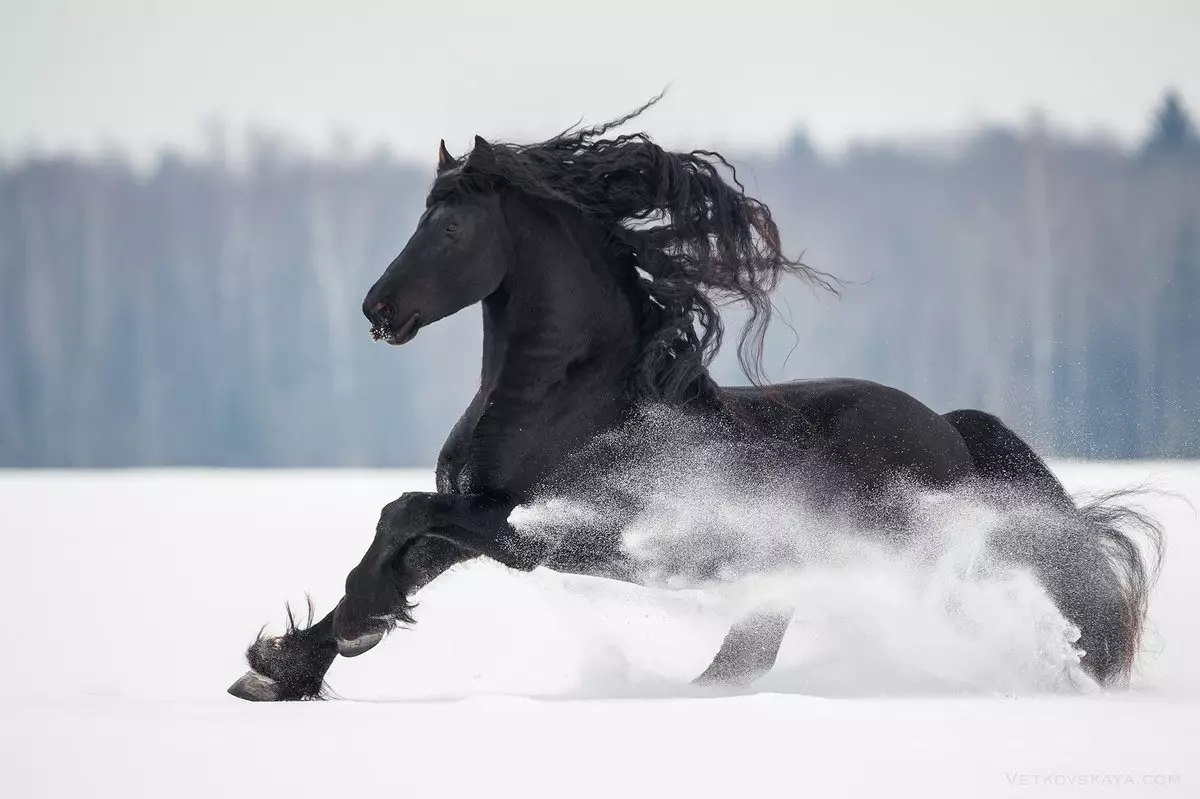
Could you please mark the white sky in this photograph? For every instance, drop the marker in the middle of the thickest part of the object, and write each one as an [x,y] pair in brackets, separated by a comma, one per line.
[141,73]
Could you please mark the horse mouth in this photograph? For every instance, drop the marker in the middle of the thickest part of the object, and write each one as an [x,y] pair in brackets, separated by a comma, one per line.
[397,336]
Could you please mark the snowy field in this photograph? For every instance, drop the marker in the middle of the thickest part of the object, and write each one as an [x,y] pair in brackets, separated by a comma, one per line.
[132,595]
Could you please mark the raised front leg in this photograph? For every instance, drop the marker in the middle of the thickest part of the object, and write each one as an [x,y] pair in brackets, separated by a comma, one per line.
[293,665]
[377,589]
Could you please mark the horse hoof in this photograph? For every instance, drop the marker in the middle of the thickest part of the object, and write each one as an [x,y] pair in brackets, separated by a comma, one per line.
[356,646]
[254,687]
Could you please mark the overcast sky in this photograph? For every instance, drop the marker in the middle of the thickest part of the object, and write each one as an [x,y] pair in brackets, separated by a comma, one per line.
[744,73]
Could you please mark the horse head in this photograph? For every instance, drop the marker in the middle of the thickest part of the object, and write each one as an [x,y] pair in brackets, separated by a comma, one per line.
[457,256]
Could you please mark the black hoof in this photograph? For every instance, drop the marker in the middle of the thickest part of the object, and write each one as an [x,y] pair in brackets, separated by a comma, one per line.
[356,646]
[253,687]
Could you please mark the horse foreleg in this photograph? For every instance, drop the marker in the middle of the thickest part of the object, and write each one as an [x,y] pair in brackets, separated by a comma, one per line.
[378,587]
[292,666]
[749,649]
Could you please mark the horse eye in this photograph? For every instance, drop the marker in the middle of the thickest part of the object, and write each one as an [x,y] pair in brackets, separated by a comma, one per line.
[451,227]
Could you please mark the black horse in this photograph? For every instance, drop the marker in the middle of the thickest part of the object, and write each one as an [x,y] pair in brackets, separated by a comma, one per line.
[599,262]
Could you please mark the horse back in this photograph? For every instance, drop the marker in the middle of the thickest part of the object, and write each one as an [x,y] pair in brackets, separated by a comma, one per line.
[861,435]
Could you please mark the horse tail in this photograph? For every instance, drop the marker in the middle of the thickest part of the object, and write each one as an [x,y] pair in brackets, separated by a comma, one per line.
[1087,556]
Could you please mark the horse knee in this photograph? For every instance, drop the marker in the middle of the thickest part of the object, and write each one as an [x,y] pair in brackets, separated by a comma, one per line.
[408,512]
[400,521]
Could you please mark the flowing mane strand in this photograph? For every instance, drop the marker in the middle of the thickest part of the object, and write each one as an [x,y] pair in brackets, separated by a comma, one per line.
[701,240]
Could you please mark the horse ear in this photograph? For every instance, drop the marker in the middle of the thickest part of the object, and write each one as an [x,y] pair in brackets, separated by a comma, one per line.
[481,154]
[445,160]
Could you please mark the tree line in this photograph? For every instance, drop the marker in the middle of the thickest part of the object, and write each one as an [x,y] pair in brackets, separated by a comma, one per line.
[202,313]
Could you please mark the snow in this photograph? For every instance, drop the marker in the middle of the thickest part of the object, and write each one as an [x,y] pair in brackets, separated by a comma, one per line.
[132,595]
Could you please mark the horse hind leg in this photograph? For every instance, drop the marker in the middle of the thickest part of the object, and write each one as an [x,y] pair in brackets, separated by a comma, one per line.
[749,649]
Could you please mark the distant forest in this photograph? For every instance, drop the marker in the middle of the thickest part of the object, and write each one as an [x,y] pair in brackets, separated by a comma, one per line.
[206,313]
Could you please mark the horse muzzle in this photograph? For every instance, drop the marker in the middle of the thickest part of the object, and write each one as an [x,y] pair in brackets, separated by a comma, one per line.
[384,329]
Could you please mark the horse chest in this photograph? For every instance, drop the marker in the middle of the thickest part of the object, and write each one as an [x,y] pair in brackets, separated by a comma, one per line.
[505,450]
[535,409]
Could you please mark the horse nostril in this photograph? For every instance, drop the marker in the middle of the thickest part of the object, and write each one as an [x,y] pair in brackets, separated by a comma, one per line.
[377,312]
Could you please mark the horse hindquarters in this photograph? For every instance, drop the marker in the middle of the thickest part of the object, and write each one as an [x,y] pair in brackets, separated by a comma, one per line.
[1087,557]
[1001,455]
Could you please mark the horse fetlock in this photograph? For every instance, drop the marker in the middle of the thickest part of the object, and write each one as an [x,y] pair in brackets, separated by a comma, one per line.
[285,668]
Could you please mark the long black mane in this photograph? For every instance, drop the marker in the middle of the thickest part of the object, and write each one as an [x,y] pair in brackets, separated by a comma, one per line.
[699,240]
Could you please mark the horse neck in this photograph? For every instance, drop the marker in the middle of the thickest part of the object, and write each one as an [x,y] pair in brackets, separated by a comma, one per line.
[564,324]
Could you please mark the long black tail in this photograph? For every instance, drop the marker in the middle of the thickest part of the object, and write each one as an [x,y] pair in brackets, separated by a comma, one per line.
[1087,556]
